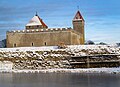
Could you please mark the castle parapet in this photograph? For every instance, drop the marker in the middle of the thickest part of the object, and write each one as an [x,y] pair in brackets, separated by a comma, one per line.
[40,30]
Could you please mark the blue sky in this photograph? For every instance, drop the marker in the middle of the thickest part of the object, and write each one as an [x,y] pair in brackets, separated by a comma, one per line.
[102,22]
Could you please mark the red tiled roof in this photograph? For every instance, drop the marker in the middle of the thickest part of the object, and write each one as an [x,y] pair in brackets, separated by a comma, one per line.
[42,22]
[78,16]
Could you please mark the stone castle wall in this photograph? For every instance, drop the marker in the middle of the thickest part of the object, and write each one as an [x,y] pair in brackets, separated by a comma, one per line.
[42,37]
[78,25]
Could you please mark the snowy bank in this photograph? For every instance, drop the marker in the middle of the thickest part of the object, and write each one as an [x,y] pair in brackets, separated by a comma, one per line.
[87,70]
[50,57]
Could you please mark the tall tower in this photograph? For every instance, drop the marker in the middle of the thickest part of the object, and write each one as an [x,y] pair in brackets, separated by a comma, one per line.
[78,25]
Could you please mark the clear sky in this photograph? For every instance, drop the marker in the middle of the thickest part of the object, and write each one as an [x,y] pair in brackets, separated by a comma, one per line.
[102,17]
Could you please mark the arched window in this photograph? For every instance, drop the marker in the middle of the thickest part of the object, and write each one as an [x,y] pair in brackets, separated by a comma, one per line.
[32,44]
[14,45]
[45,43]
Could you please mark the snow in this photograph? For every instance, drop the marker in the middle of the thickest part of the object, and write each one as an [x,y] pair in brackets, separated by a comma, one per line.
[24,49]
[6,65]
[93,49]
[34,21]
[86,70]
[51,59]
[70,48]
[76,50]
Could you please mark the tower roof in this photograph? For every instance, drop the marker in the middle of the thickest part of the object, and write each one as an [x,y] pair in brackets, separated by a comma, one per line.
[78,16]
[36,20]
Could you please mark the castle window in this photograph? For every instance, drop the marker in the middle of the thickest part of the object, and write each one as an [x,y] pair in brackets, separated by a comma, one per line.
[14,45]
[45,43]
[37,26]
[32,44]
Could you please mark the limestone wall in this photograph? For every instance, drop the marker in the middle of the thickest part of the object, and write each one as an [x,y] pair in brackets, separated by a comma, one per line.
[78,25]
[51,38]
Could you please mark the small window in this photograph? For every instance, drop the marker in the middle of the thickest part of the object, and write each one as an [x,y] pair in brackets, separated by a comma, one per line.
[32,44]
[37,26]
[14,45]
[45,43]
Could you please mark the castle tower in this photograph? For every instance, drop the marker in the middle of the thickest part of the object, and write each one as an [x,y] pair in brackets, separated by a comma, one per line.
[36,23]
[78,25]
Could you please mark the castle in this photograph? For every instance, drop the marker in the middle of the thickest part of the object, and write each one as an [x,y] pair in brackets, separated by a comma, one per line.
[37,33]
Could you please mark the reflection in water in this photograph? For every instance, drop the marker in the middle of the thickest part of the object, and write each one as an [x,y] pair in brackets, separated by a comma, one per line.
[88,80]
[58,80]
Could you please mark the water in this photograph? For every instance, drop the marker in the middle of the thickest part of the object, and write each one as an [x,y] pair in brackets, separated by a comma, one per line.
[58,80]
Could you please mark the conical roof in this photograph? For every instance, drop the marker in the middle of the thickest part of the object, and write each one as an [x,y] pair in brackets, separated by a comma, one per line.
[78,16]
[36,20]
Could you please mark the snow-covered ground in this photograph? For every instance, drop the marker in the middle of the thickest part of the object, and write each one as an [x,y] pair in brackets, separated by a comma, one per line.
[71,48]
[86,70]
[52,59]
[23,49]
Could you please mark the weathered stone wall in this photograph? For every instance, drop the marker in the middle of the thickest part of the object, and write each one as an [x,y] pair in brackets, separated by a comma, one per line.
[78,25]
[75,38]
[51,38]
